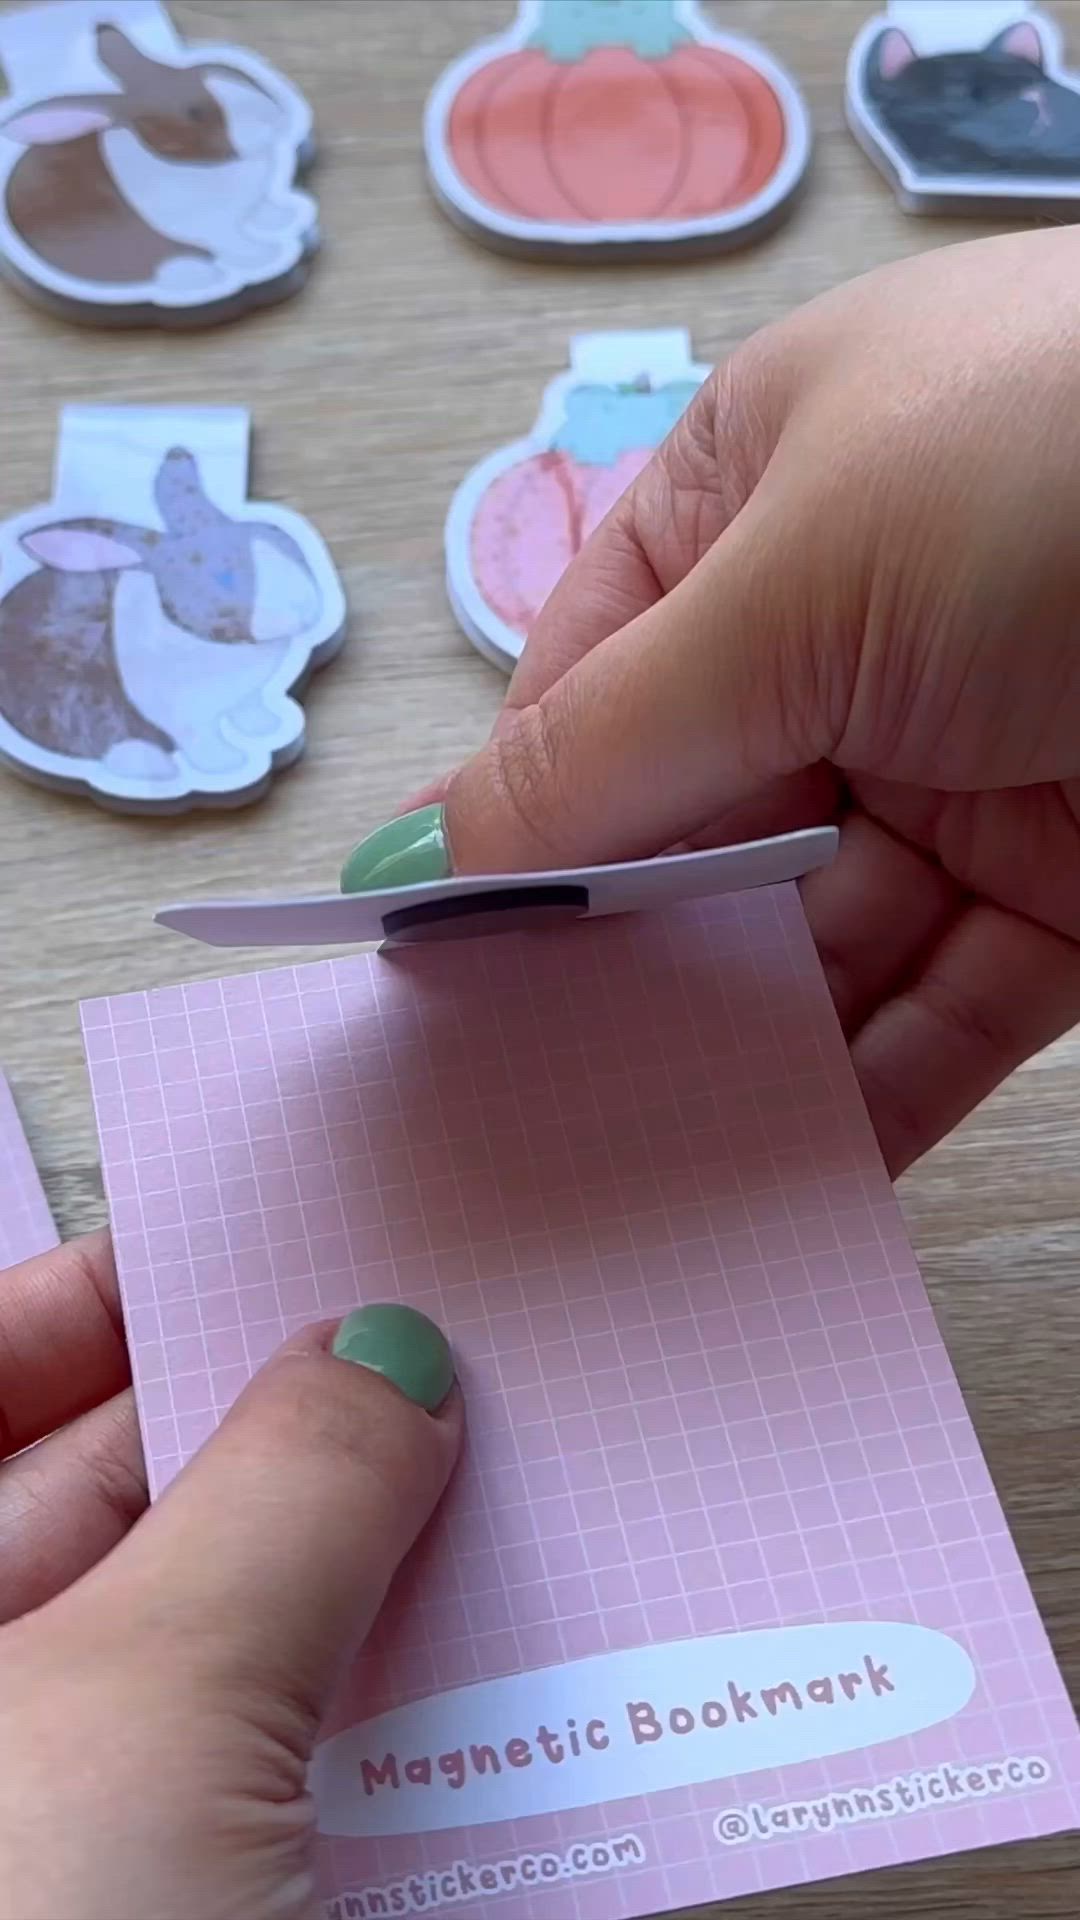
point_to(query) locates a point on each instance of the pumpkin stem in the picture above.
(649, 28)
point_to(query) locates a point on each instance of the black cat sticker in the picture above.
(981, 128)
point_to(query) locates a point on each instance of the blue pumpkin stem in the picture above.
(570, 29)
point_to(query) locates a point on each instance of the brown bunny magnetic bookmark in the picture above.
(142, 180)
(156, 624)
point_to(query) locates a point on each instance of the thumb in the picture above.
(265, 1563)
(687, 713)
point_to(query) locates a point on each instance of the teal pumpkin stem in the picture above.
(569, 29)
(601, 423)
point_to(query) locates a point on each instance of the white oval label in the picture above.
(636, 1722)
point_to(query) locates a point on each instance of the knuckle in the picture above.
(117, 1479)
(314, 1400)
(690, 452)
(897, 1112)
(708, 467)
(981, 1028)
(527, 771)
(358, 1428)
(740, 424)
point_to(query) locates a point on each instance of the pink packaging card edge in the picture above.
(26, 1224)
(723, 1571)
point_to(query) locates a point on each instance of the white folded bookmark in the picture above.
(475, 904)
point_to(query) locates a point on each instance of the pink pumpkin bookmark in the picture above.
(520, 517)
(26, 1225)
(619, 127)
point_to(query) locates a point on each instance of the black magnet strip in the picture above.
(465, 916)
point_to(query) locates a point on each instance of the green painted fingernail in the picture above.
(404, 1346)
(404, 853)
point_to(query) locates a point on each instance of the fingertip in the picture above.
(450, 1417)
(317, 1343)
(505, 810)
(403, 1345)
(427, 796)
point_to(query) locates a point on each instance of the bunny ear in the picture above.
(178, 491)
(74, 547)
(120, 55)
(57, 121)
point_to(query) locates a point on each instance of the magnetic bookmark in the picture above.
(155, 623)
(143, 180)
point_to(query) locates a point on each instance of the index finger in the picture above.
(62, 1348)
(606, 586)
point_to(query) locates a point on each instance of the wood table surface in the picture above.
(411, 353)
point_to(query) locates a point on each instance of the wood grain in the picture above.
(411, 354)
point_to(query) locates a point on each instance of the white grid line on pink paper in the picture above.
(566, 1148)
(818, 1610)
(26, 1224)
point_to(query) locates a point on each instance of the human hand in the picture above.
(160, 1693)
(846, 589)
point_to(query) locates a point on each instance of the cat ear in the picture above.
(891, 52)
(1022, 41)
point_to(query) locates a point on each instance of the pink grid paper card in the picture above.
(721, 1598)
(26, 1225)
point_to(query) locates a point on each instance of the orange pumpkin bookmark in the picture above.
(617, 125)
